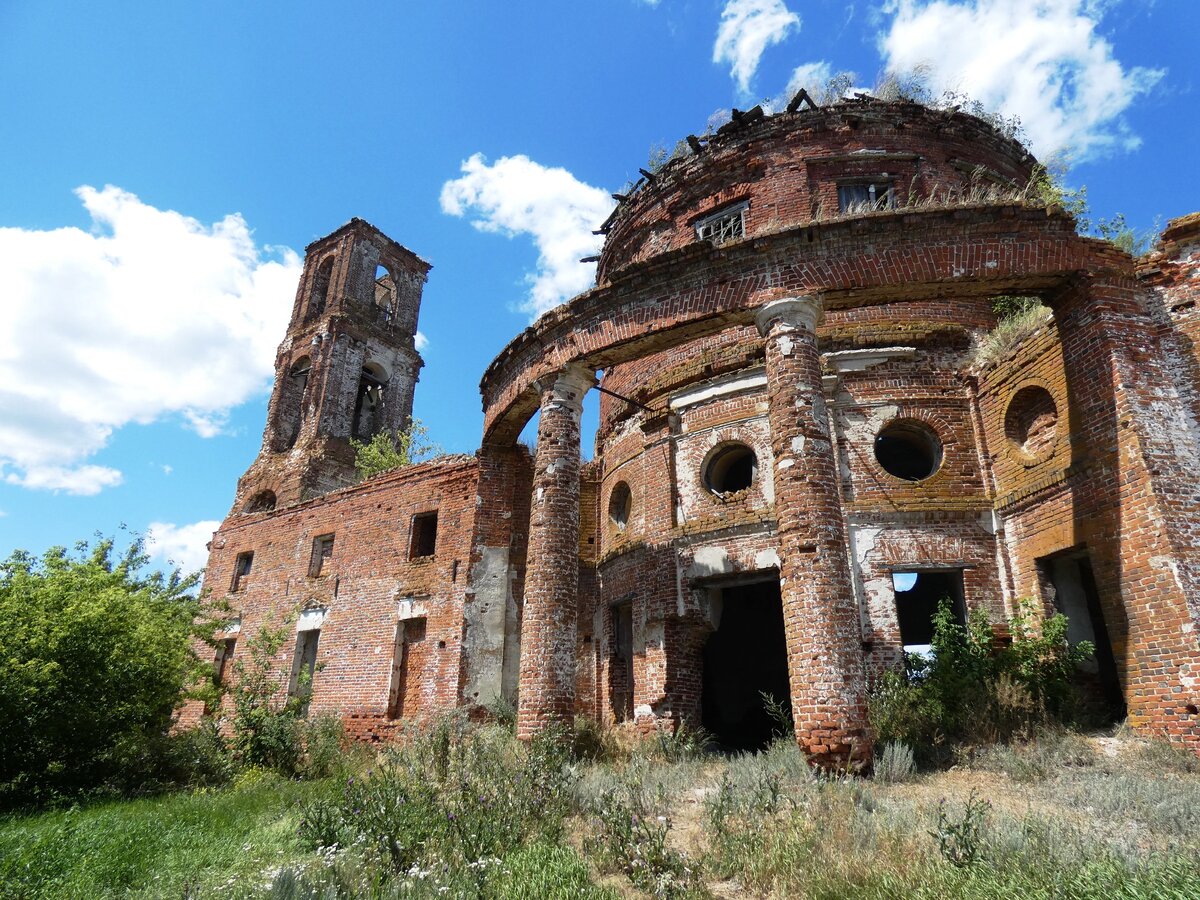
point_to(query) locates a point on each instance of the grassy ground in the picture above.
(1064, 817)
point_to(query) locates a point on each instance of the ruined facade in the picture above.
(801, 451)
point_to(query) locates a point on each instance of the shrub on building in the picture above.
(970, 691)
(94, 656)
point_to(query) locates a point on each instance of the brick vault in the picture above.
(801, 451)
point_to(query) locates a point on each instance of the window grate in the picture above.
(723, 226)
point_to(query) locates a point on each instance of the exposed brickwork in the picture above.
(597, 588)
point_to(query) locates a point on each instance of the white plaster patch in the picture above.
(711, 560)
(767, 559)
(786, 344)
(798, 444)
(723, 387)
(312, 619)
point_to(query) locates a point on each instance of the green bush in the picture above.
(94, 656)
(971, 692)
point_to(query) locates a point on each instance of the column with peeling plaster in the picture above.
(821, 616)
(548, 624)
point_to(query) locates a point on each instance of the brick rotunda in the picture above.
(805, 443)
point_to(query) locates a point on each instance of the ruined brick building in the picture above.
(800, 450)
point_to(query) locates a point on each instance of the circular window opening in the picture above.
(909, 450)
(620, 504)
(731, 468)
(1032, 420)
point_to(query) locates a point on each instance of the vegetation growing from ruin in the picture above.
(94, 655)
(464, 810)
(387, 451)
(971, 692)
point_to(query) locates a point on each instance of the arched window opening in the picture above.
(263, 501)
(908, 450)
(1031, 422)
(385, 294)
(320, 290)
(292, 415)
(368, 405)
(730, 468)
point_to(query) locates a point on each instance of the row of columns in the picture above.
(821, 619)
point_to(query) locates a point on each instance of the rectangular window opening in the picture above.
(917, 597)
(621, 668)
(424, 535)
(304, 666)
(866, 196)
(724, 225)
(241, 568)
(322, 552)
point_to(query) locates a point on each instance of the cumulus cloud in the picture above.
(184, 546)
(151, 314)
(517, 196)
(420, 342)
(747, 28)
(1041, 60)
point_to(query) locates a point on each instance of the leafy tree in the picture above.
(388, 450)
(94, 657)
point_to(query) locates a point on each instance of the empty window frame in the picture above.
(241, 568)
(304, 666)
(322, 552)
(724, 225)
(424, 535)
(223, 659)
(865, 196)
(621, 665)
(918, 595)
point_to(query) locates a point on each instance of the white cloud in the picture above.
(184, 546)
(151, 314)
(1041, 60)
(747, 28)
(517, 196)
(420, 342)
(167, 469)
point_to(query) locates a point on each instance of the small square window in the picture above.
(724, 225)
(864, 196)
(424, 535)
(322, 552)
(241, 568)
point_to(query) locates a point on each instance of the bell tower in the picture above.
(346, 368)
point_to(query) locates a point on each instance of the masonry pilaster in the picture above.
(548, 625)
(820, 612)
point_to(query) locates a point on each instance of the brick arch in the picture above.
(698, 290)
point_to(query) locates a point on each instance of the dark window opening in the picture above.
(745, 659)
(917, 597)
(620, 504)
(908, 450)
(263, 501)
(241, 568)
(408, 666)
(424, 535)
(304, 667)
(322, 552)
(293, 414)
(865, 196)
(368, 404)
(620, 677)
(1076, 597)
(723, 226)
(730, 469)
(320, 291)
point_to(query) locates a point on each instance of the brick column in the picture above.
(820, 611)
(548, 624)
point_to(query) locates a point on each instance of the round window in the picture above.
(620, 504)
(909, 450)
(730, 468)
(1031, 421)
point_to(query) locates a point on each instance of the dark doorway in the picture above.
(621, 670)
(745, 658)
(1076, 597)
(917, 597)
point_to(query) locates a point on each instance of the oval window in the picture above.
(730, 468)
(909, 450)
(620, 504)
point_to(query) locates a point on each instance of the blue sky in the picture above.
(163, 165)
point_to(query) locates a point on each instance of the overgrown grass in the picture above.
(208, 844)
(465, 811)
